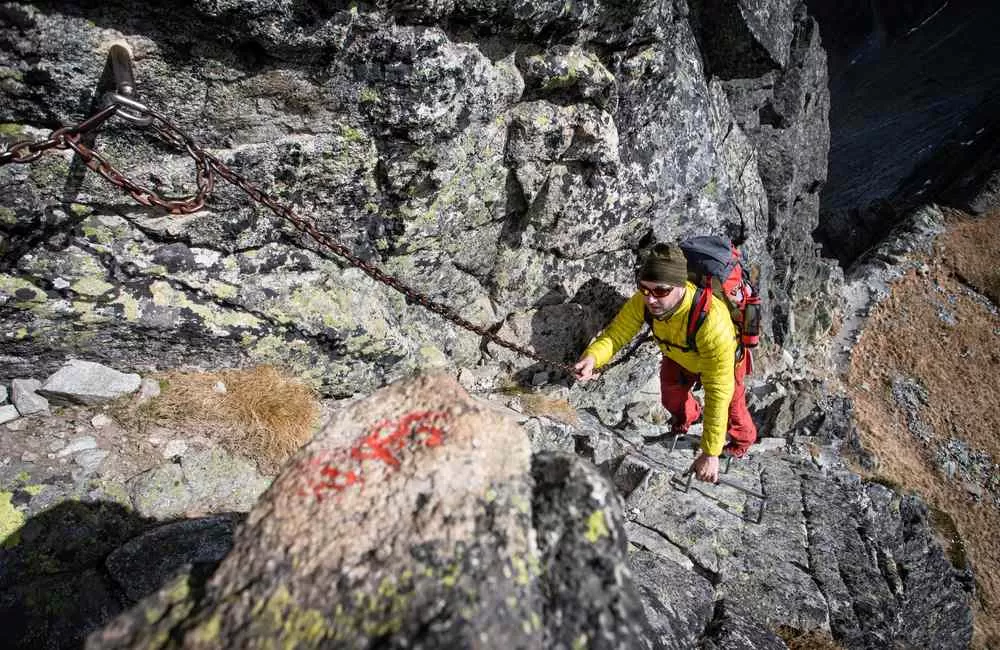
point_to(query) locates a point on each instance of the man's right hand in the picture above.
(585, 368)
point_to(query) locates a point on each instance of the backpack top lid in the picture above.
(711, 255)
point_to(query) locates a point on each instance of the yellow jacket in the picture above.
(714, 360)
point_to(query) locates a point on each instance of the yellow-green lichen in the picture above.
(280, 617)
(433, 357)
(25, 294)
(712, 187)
(169, 603)
(80, 209)
(207, 631)
(534, 564)
(351, 133)
(112, 490)
(542, 120)
(294, 354)
(21, 334)
(223, 290)
(49, 171)
(581, 642)
(521, 573)
(523, 505)
(11, 520)
(91, 286)
(451, 575)
(369, 95)
(216, 320)
(129, 305)
(34, 490)
(8, 217)
(597, 526)
(574, 65)
(8, 128)
(86, 313)
(106, 229)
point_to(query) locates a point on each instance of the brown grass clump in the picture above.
(933, 331)
(811, 640)
(558, 409)
(259, 412)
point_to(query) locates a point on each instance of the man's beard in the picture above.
(662, 313)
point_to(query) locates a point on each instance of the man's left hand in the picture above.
(706, 468)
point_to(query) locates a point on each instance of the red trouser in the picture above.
(675, 394)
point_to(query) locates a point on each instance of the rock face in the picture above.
(420, 518)
(507, 159)
(416, 518)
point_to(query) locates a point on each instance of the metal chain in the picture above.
(207, 165)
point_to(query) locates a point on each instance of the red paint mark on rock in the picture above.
(384, 442)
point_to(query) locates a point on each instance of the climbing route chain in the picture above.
(207, 167)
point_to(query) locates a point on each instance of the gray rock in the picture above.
(220, 482)
(3, 394)
(161, 492)
(75, 603)
(148, 389)
(144, 564)
(589, 594)
(677, 601)
(100, 421)
(732, 629)
(209, 481)
(465, 485)
(26, 399)
(90, 460)
(86, 382)
(58, 559)
(174, 448)
(546, 434)
(498, 182)
(81, 443)
(8, 413)
(419, 535)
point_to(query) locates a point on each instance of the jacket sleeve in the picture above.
(622, 329)
(717, 349)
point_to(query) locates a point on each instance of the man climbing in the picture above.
(715, 359)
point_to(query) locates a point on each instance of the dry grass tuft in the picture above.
(811, 640)
(932, 331)
(259, 412)
(558, 409)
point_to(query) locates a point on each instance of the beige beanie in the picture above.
(666, 263)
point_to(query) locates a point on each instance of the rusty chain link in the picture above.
(207, 166)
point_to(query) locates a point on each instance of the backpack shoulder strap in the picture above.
(699, 312)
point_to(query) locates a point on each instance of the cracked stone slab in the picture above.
(8, 413)
(76, 445)
(86, 382)
(24, 395)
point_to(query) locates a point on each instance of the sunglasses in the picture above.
(656, 292)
